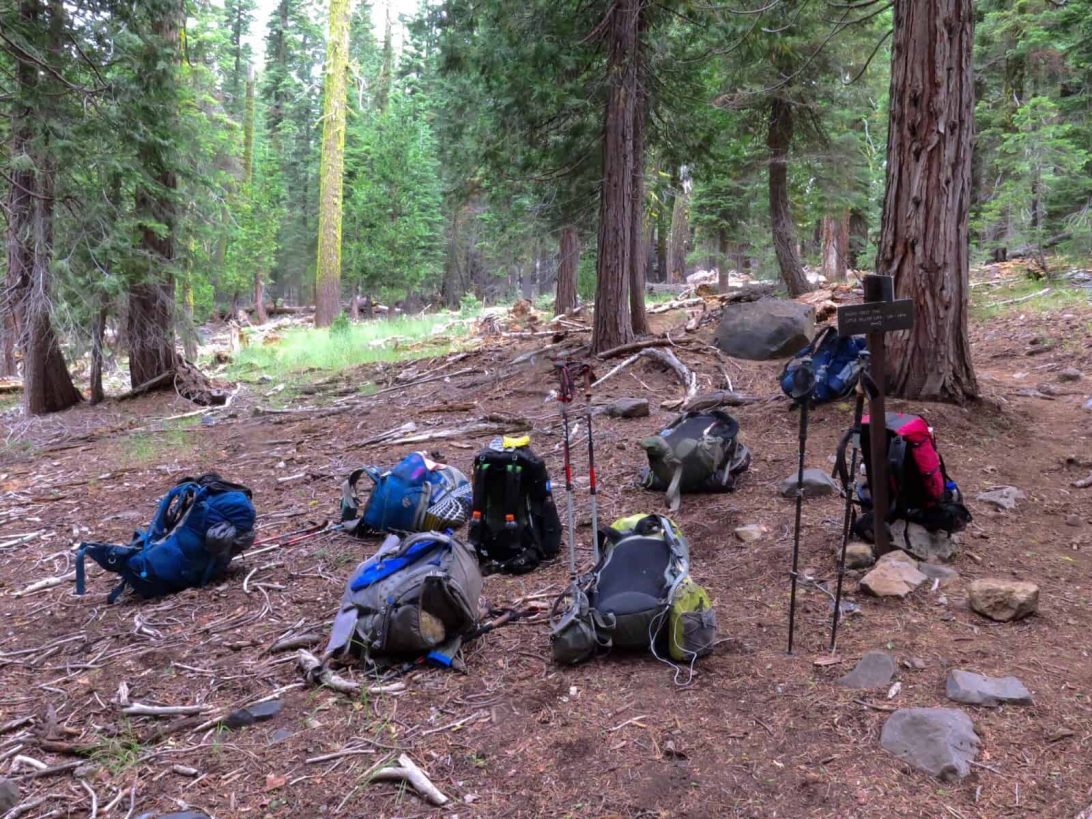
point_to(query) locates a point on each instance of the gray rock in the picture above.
(1070, 374)
(874, 670)
(939, 741)
(1088, 404)
(1003, 497)
(1003, 600)
(9, 795)
(859, 555)
(280, 735)
(893, 577)
(260, 712)
(817, 484)
(625, 408)
(923, 544)
(978, 689)
(944, 574)
(765, 329)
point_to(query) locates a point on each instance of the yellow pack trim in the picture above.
(514, 442)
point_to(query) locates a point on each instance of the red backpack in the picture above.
(919, 487)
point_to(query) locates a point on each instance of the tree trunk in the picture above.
(260, 314)
(778, 140)
(924, 241)
(663, 230)
(680, 235)
(858, 238)
(834, 241)
(151, 294)
(567, 265)
(638, 251)
(98, 333)
(613, 321)
(47, 385)
(331, 169)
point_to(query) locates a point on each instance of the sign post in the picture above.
(878, 315)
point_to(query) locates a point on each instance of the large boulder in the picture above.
(939, 741)
(765, 329)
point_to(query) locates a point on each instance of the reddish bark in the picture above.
(778, 140)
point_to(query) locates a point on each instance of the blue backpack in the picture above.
(837, 362)
(417, 495)
(200, 525)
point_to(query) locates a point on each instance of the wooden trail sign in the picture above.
(879, 314)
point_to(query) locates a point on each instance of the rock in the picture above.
(898, 556)
(939, 741)
(923, 544)
(944, 574)
(751, 532)
(1088, 404)
(892, 577)
(625, 408)
(978, 689)
(9, 795)
(1070, 374)
(874, 670)
(765, 329)
(1003, 497)
(1072, 520)
(280, 735)
(859, 555)
(260, 712)
(1003, 600)
(817, 484)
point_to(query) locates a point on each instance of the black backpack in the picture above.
(514, 524)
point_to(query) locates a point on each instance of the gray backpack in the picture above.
(416, 597)
(697, 452)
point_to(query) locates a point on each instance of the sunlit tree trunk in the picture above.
(331, 168)
(568, 263)
(638, 250)
(680, 233)
(924, 240)
(778, 140)
(834, 244)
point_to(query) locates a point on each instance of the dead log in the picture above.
(489, 425)
(315, 671)
(718, 398)
(632, 347)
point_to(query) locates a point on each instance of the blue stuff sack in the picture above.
(837, 362)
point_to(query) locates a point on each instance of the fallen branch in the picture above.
(675, 305)
(719, 398)
(685, 375)
(407, 771)
(622, 349)
(1028, 297)
(338, 755)
(490, 425)
(1084, 483)
(47, 583)
(160, 381)
(294, 641)
(314, 671)
(138, 709)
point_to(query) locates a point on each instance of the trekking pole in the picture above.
(847, 521)
(589, 377)
(565, 395)
(803, 384)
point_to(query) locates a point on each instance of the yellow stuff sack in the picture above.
(692, 623)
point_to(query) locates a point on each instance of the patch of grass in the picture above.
(306, 350)
(149, 447)
(986, 302)
(118, 754)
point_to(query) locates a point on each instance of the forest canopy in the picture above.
(159, 173)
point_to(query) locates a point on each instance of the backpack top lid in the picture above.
(697, 424)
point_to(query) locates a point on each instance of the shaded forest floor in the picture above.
(756, 732)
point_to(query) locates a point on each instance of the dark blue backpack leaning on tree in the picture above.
(199, 527)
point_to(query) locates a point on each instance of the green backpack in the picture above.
(697, 452)
(640, 596)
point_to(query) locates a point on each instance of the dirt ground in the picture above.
(755, 733)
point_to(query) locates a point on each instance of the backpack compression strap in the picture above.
(512, 478)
